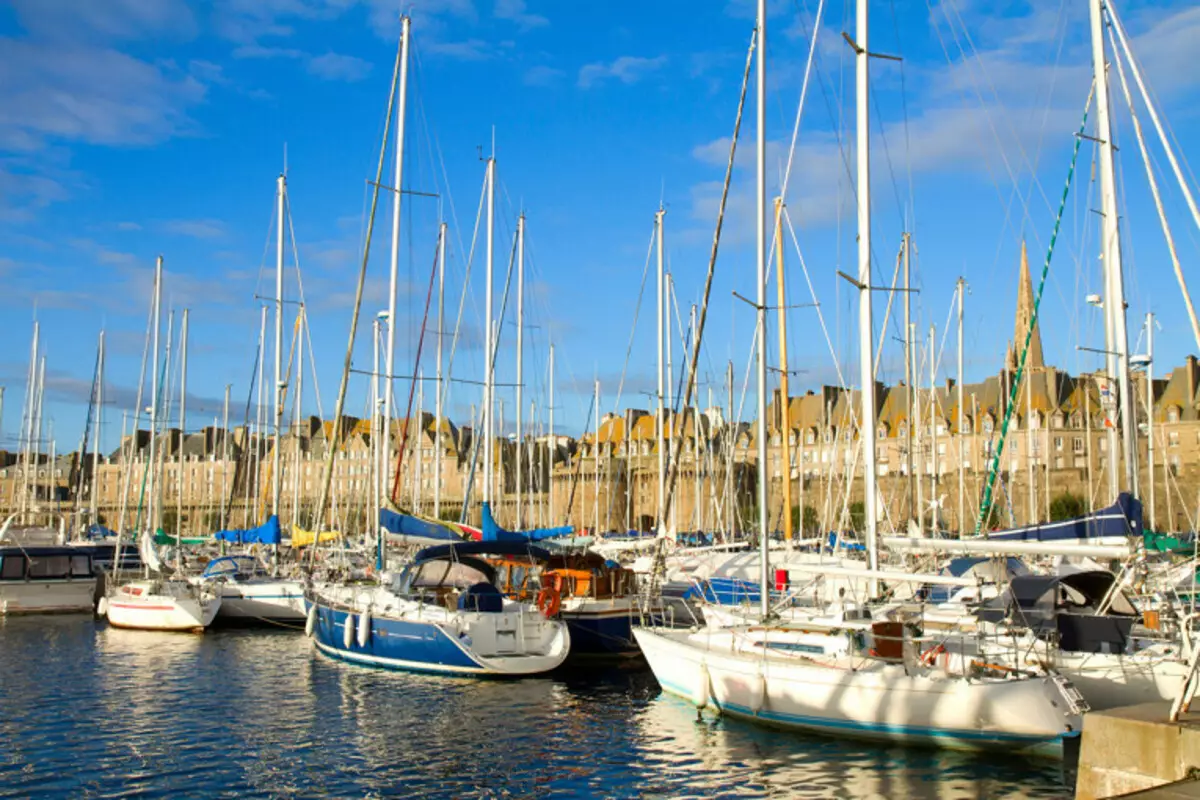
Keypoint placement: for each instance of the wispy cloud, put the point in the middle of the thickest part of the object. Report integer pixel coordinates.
(337, 67)
(112, 19)
(515, 11)
(626, 69)
(262, 51)
(196, 228)
(542, 75)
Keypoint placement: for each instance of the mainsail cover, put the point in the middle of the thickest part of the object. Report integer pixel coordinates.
(492, 532)
(409, 526)
(267, 533)
(1114, 524)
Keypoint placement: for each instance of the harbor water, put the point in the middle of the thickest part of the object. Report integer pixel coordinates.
(91, 711)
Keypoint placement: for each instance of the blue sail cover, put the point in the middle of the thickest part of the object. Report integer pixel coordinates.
(98, 531)
(494, 533)
(408, 525)
(267, 533)
(1114, 524)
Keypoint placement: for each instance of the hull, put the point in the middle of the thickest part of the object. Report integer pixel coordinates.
(262, 599)
(861, 698)
(166, 608)
(47, 597)
(414, 637)
(601, 627)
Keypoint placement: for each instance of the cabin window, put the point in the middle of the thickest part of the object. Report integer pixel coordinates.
(81, 566)
(12, 568)
(50, 567)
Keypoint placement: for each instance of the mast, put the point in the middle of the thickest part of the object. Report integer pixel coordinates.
(298, 413)
(553, 439)
(377, 421)
(785, 425)
(660, 422)
(909, 380)
(1029, 441)
(277, 420)
(962, 525)
(1114, 281)
(520, 350)
(179, 460)
(224, 454)
(760, 285)
(155, 327)
(933, 432)
(697, 513)
(596, 461)
(259, 420)
(96, 435)
(914, 392)
(865, 322)
(437, 428)
(27, 424)
(670, 437)
(488, 334)
(1150, 411)
(397, 194)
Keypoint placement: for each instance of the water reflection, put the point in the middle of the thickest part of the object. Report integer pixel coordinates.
(98, 712)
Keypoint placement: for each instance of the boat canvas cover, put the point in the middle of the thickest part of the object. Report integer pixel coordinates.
(402, 524)
(1120, 520)
(1069, 606)
(492, 532)
(267, 533)
(98, 531)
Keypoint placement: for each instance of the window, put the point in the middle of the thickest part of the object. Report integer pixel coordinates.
(81, 566)
(1058, 443)
(1173, 414)
(811, 437)
(1056, 421)
(1104, 445)
(989, 424)
(50, 567)
(1173, 439)
(12, 568)
(1077, 445)
(882, 433)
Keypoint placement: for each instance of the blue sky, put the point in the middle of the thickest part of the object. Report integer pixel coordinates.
(135, 127)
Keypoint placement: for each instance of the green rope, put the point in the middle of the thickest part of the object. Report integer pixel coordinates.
(985, 507)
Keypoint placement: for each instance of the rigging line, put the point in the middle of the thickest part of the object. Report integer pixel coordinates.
(912, 206)
(812, 49)
(412, 385)
(637, 308)
(985, 505)
(305, 331)
(1137, 128)
(462, 297)
(996, 96)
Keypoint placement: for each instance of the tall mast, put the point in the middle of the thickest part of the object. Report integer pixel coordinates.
(1150, 411)
(224, 453)
(596, 460)
(437, 428)
(96, 433)
(156, 327)
(520, 350)
(179, 459)
(760, 285)
(915, 427)
(958, 424)
(260, 422)
(30, 401)
(298, 413)
(865, 321)
(397, 195)
(377, 424)
(909, 381)
(488, 333)
(660, 422)
(1114, 280)
(934, 418)
(277, 420)
(785, 424)
(553, 439)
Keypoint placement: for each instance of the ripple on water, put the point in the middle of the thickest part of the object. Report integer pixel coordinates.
(90, 711)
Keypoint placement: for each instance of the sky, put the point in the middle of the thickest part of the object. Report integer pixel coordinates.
(134, 128)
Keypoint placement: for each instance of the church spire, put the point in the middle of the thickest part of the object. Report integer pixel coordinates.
(1024, 317)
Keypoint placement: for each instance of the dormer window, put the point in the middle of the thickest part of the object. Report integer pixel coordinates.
(1173, 414)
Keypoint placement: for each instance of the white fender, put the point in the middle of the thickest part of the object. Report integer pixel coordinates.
(102, 607)
(758, 692)
(364, 628)
(701, 691)
(348, 631)
(311, 623)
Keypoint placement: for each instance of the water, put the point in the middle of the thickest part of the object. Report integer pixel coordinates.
(90, 711)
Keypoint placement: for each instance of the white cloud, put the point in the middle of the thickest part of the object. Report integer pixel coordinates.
(626, 69)
(111, 19)
(514, 11)
(196, 228)
(337, 67)
(542, 75)
(259, 51)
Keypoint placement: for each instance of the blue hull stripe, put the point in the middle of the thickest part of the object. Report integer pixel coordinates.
(395, 644)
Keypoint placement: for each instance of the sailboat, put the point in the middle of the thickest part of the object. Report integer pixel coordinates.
(165, 602)
(443, 612)
(878, 686)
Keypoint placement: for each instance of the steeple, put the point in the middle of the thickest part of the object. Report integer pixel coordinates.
(1024, 316)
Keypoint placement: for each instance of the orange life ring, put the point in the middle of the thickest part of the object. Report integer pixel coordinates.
(549, 601)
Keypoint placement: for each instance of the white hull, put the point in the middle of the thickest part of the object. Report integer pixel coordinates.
(274, 600)
(47, 597)
(161, 606)
(859, 697)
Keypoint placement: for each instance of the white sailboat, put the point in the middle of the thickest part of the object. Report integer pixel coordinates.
(161, 603)
(783, 676)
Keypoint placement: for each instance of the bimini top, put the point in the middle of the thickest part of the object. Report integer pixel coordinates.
(1037, 599)
(459, 549)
